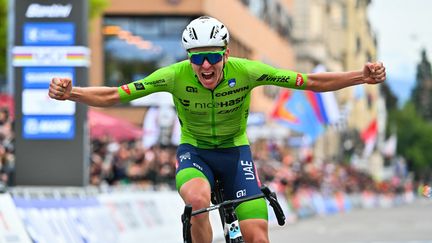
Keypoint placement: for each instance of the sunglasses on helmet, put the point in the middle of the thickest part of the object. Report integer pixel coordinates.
(212, 57)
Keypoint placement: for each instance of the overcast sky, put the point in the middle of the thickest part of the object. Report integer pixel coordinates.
(403, 28)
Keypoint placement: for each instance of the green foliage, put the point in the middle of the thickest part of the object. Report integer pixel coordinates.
(390, 98)
(3, 37)
(414, 137)
(97, 7)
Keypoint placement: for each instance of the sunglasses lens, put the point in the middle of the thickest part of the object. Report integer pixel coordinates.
(214, 58)
(199, 58)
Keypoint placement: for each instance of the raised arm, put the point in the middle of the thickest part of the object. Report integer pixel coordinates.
(372, 73)
(62, 89)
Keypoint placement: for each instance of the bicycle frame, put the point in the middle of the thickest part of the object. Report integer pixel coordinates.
(227, 214)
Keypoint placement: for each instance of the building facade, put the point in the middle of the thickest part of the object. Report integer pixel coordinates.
(337, 35)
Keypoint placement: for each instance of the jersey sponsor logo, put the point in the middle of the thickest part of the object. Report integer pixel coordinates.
(277, 79)
(248, 169)
(299, 80)
(185, 156)
(191, 89)
(220, 103)
(185, 102)
(241, 193)
(197, 166)
(230, 110)
(230, 92)
(157, 83)
(139, 86)
(232, 82)
(126, 89)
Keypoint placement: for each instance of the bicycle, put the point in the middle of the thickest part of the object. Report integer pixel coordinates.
(227, 214)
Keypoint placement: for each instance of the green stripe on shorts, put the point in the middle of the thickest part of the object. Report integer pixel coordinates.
(255, 209)
(186, 175)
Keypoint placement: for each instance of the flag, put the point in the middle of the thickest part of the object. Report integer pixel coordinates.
(389, 147)
(326, 102)
(331, 108)
(369, 137)
(369, 134)
(294, 111)
(317, 104)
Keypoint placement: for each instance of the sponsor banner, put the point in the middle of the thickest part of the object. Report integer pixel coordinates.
(36, 102)
(145, 217)
(75, 220)
(48, 127)
(11, 228)
(151, 216)
(40, 78)
(54, 10)
(70, 56)
(46, 34)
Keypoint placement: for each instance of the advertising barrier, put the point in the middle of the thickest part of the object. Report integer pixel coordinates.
(143, 216)
(11, 227)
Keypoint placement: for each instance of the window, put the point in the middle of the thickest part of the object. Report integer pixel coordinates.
(134, 47)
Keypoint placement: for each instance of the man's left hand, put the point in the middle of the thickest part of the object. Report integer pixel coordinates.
(374, 73)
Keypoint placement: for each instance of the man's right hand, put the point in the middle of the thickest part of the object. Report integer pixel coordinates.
(60, 88)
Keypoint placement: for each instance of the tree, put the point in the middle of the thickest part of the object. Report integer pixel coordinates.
(97, 7)
(3, 38)
(414, 139)
(390, 98)
(422, 92)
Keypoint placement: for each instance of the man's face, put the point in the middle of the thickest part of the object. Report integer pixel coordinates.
(209, 74)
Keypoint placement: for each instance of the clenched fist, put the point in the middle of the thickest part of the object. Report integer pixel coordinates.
(374, 73)
(60, 88)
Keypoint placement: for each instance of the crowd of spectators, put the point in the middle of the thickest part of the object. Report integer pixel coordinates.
(290, 174)
(128, 162)
(7, 158)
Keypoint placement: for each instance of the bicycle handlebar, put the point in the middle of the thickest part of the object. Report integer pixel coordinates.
(269, 195)
(186, 218)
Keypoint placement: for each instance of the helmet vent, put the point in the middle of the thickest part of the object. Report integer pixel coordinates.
(195, 37)
(224, 37)
(212, 31)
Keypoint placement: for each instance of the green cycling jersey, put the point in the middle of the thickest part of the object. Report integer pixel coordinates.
(212, 118)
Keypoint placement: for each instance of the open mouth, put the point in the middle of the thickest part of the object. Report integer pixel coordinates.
(207, 75)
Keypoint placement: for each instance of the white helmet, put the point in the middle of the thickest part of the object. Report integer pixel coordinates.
(203, 32)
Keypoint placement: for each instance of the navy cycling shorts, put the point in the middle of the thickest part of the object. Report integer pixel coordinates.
(232, 166)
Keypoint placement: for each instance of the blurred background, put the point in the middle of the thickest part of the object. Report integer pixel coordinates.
(360, 147)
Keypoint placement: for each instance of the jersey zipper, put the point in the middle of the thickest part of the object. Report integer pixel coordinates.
(213, 121)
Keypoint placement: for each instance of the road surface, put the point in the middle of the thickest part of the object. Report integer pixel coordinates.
(411, 223)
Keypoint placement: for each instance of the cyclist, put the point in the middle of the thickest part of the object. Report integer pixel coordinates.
(211, 93)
